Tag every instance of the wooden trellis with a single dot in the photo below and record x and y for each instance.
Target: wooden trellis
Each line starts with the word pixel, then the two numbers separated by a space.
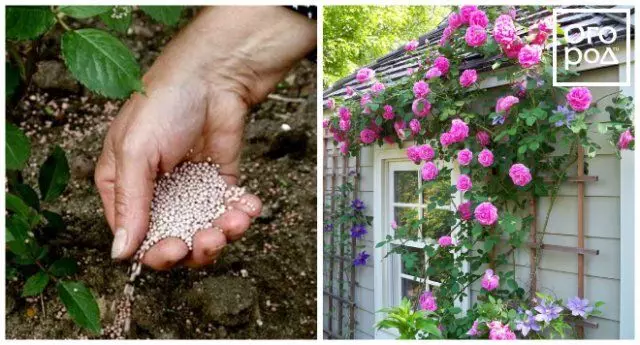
pixel 340 281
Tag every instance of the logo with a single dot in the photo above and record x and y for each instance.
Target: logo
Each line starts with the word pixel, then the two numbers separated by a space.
pixel 589 44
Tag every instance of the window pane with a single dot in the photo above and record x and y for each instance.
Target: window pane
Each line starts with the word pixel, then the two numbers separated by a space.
pixel 406 216
pixel 411 289
pixel 406 187
pixel 438 188
pixel 413 261
pixel 438 222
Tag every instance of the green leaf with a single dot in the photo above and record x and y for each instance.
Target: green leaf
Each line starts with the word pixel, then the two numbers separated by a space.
pixel 118 19
pixel 17 235
pixel 168 15
pixel 35 284
pixel 15 204
pixel 28 22
pixel 63 267
pixel 80 304
pixel 101 62
pixel 28 195
pixel 83 11
pixel 54 220
pixel 12 79
pixel 54 175
pixel 17 148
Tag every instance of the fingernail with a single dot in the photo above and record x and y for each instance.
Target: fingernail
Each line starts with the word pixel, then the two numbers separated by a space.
pixel 119 243
pixel 213 252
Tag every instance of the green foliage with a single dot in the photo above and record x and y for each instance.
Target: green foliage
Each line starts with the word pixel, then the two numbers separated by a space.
pixel 17 148
pixel 63 267
pixel 54 175
pixel 28 22
pixel 411 324
pixel 355 35
pixel 35 284
pixel 12 79
pixel 168 15
pixel 82 12
pixel 119 19
pixel 80 303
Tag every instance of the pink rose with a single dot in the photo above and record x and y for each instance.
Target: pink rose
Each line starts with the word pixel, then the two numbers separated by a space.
pixel 459 130
pixel 520 174
pixel 414 125
pixel 429 171
pixel 388 112
pixel 475 36
pixel 368 136
pixel 540 38
pixel 410 71
pixel 394 225
pixel 344 147
pixel 446 139
pixel 473 331
pixel 468 77
pixel 490 281
pixel 446 35
pixel 428 302
pixel 413 153
pixel 485 158
pixel 411 45
pixel 399 127
pixel 478 17
pixel 579 98
pixel 421 107
pixel 504 104
pixel 625 139
pixel 465 156
pixel 325 123
pixel 433 72
pixel 350 91
pixel 465 13
pixel 464 210
pixel 483 138
pixel 442 63
pixel 377 87
pixel 530 55
pixel 389 140
pixel 344 113
pixel 512 50
pixel 344 125
pixel 364 100
pixel 365 74
pixel 464 183
pixel 330 103
pixel 421 89
pixel 426 152
pixel 504 31
pixel 499 332
pixel 454 20
pixel 486 213
pixel 445 241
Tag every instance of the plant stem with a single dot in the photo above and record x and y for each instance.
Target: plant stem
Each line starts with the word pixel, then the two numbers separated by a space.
pixel 59 19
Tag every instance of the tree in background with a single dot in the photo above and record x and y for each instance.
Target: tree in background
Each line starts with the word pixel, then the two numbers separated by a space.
pixel 355 35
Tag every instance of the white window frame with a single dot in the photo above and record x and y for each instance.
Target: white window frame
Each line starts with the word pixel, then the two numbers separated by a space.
pixel 386 281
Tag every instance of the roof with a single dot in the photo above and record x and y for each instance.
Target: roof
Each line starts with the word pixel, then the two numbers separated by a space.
pixel 394 65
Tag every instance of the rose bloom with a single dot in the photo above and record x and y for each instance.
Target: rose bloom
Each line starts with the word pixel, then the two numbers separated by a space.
pixel 426 107
pixel 485 158
pixel 330 103
pixel 465 156
pixel 429 171
pixel 465 13
pixel 442 63
pixel 530 55
pixel 579 98
pixel 344 147
pixel 475 36
pixel 325 123
pixel 366 98
pixel 421 89
pixel 428 302
pixel 540 38
pixel 433 72
pixel 344 113
pixel 411 45
pixel 504 104
pixel 483 138
pixel 459 130
pixel 490 281
pixel 399 127
pixel 478 17
pixel 454 20
pixel 365 74
pixel 468 77
pixel 388 112
pixel 445 241
pixel 414 125
pixel 446 139
pixel 368 136
pixel 377 87
pixel 446 35
pixel 473 331
pixel 625 139
pixel 426 152
pixel 520 174
pixel 486 213
pixel 497 331
pixel 345 125
pixel 464 210
pixel 512 50
pixel 504 31
pixel 464 183
pixel 350 91
pixel 413 153
pixel 389 140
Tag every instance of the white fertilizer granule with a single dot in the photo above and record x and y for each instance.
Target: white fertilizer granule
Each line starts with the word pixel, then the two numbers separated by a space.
pixel 189 199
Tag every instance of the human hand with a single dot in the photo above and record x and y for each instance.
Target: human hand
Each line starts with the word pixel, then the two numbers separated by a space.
pixel 196 96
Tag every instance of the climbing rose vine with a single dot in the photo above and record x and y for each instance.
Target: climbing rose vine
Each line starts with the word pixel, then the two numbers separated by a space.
pixel 500 147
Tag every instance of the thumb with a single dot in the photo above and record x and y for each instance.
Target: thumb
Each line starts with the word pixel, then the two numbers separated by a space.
pixel 133 195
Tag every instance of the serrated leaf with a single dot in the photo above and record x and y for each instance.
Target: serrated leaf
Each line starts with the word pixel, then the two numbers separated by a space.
pixel 63 267
pixel 12 79
pixel 28 22
pixel 101 62
pixel 168 15
pixel 35 284
pixel 83 11
pixel 54 175
pixel 17 148
pixel 118 24
pixel 80 304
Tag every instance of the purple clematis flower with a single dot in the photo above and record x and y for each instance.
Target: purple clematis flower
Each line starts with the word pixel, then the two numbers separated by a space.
pixel 528 323
pixel 547 312
pixel 357 205
pixel 358 230
pixel 328 228
pixel 579 307
pixel 361 259
pixel 569 115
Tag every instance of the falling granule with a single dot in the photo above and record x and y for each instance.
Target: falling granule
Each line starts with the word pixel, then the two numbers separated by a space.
pixel 189 199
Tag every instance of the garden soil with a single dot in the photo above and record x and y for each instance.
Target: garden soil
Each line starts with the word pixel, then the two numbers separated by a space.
pixel 262 287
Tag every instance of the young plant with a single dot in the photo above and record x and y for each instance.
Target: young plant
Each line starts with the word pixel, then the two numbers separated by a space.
pixel 410 323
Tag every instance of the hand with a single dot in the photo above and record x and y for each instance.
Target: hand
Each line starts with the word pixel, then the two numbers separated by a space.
pixel 196 96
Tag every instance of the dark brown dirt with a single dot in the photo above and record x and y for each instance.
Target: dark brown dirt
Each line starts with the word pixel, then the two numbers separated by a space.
pixel 262 287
